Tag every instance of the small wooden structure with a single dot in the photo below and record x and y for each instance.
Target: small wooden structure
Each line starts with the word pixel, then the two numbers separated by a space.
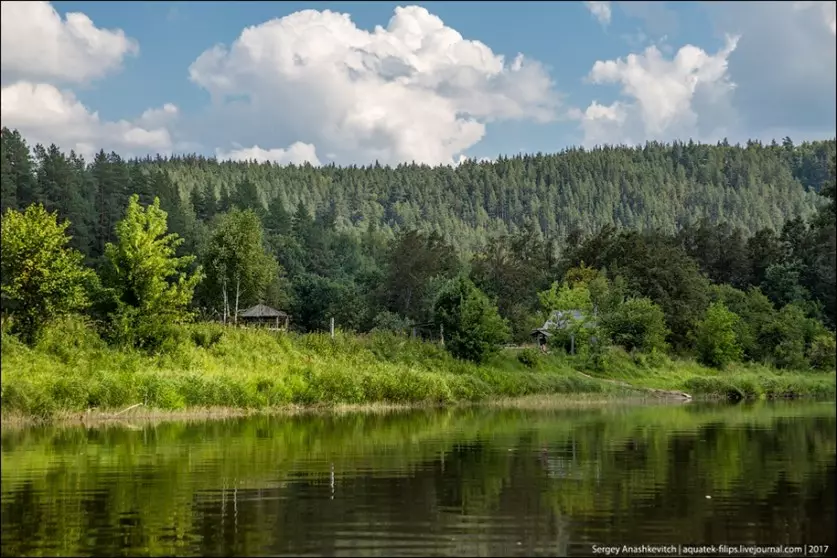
pixel 262 315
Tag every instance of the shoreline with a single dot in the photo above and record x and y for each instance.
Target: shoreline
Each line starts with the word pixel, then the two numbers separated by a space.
pixel 138 415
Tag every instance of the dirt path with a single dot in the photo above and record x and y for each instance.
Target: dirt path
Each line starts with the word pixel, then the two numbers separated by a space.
pixel 661 393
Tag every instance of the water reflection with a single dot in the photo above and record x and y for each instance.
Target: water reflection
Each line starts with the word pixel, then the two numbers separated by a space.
pixel 467 482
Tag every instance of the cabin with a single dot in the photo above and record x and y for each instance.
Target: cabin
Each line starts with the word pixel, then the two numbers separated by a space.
pixel 560 319
pixel 262 315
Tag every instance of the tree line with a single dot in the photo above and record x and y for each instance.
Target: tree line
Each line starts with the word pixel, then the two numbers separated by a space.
pixel 687 247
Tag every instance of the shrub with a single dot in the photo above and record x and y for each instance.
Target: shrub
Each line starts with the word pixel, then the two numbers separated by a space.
pixel 638 324
pixel 474 329
pixel 68 338
pixel 392 322
pixel 205 337
pixel 784 338
pixel 823 352
pixel 529 358
pixel 717 343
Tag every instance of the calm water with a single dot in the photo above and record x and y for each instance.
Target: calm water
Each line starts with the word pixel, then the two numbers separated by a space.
pixel 464 482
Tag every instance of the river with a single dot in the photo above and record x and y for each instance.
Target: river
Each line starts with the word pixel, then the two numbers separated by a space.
pixel 474 481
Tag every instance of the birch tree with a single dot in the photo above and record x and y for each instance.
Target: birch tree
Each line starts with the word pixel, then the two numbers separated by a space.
pixel 238 266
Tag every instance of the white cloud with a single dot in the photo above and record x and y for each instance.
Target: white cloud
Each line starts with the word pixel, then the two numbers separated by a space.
pixel 415 90
pixel 687 96
pixel 45 114
pixel 39 51
pixel 297 154
pixel 36 44
pixel 159 117
pixel 601 10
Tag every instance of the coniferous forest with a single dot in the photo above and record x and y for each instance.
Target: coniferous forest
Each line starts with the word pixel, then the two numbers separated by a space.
pixel 692 230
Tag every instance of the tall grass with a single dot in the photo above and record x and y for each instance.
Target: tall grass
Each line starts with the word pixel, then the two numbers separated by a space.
pixel 70 369
pixel 739 381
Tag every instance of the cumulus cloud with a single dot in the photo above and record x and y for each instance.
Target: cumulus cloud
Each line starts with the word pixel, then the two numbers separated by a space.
pixel 36 44
pixel 45 114
pixel 601 10
pixel 297 153
pixel 415 90
pixel 687 96
pixel 41 50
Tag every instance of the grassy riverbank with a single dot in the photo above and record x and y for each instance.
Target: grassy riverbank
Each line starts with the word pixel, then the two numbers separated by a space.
pixel 71 370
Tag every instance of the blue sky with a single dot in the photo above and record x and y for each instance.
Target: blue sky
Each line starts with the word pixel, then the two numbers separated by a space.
pixel 142 77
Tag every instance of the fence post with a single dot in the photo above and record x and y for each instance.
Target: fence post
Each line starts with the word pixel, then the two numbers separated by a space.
pixel 442 333
pixel 332 328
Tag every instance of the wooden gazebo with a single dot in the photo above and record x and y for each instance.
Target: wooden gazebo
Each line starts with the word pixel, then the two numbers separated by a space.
pixel 262 315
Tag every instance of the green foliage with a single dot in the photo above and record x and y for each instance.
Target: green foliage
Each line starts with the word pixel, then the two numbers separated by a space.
pixel 151 286
pixel 636 324
pixel 360 242
pixel 582 275
pixel 652 266
pixel 565 297
pixel 823 352
pixel 570 332
pixel 415 259
pixel 392 322
pixel 239 269
pixel 717 344
pixel 530 358
pixel 41 277
pixel 785 337
pixel 473 328
pixel 206 337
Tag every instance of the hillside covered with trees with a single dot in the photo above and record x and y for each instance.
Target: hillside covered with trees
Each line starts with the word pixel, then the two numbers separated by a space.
pixel 725 252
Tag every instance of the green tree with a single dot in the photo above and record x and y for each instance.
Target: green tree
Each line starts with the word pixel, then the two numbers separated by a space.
pixel 152 288
pixel 41 277
pixel 414 260
pixel 717 344
pixel 473 328
pixel 239 268
pixel 638 324
pixel 570 310
pixel 562 296
pixel 18 182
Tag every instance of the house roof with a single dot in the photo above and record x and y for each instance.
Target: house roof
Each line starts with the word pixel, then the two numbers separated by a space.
pixel 262 311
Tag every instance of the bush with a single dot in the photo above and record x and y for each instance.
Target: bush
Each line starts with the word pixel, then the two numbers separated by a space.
pixel 529 358
pixel 717 343
pixel 206 337
pixel 784 338
pixel 153 334
pixel 638 324
pixel 474 329
pixel 823 352
pixel 68 338
pixel 391 322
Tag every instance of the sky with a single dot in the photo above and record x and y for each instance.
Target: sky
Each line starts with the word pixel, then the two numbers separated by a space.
pixel 430 82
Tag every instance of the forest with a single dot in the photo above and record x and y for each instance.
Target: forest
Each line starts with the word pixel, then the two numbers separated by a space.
pixel 723 252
